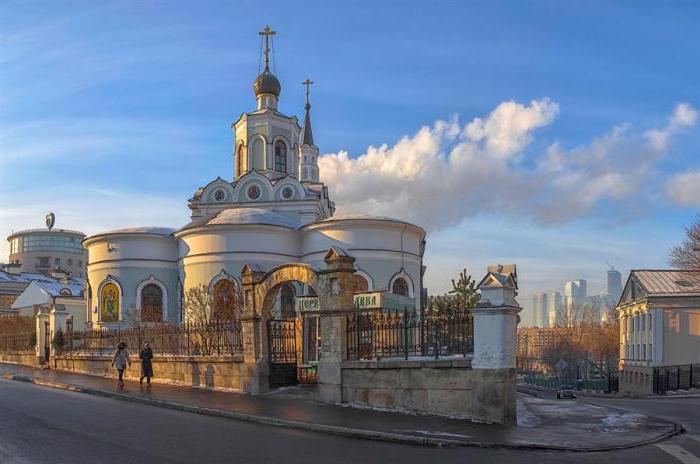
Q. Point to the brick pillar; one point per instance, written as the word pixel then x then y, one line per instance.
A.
pixel 336 299
pixel 255 356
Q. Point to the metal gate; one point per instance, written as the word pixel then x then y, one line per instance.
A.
pixel 47 341
pixel 282 345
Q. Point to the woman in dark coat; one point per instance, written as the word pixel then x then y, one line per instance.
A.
pixel 146 355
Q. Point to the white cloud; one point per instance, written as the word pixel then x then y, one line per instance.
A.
pixel 685 188
pixel 448 172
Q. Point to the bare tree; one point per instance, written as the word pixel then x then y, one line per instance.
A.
pixel 687 254
pixel 198 305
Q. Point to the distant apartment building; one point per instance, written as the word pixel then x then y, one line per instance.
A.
pixel 659 315
pixel 41 250
pixel 533 343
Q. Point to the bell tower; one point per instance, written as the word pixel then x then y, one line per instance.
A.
pixel 307 152
pixel 265 139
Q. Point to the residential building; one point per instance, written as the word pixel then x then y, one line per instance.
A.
pixel 61 289
pixel 533 343
pixel 13 284
pixel 659 328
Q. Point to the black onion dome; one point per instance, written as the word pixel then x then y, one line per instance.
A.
pixel 267 83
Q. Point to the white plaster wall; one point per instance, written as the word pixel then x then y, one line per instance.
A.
pixel 495 339
pixel 130 259
pixel 376 245
pixel 204 254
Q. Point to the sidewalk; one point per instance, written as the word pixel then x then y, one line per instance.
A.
pixel 544 424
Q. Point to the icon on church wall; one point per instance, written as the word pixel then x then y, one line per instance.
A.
pixel 253 192
pixel 110 303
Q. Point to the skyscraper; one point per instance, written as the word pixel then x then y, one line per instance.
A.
pixel 574 295
pixel 614 284
pixel 541 312
pixel 554 308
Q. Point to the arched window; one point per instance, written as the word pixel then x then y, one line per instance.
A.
pixel 306 174
pixel 109 303
pixel 227 301
pixel 287 301
pixel 257 154
pixel 359 284
pixel 239 159
pixel 151 303
pixel 400 287
pixel 280 156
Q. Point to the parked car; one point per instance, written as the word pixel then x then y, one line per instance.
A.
pixel 566 392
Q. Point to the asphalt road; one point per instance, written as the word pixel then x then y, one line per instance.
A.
pixel 43 425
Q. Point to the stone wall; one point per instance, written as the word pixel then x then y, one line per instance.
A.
pixel 442 387
pixel 636 380
pixel 221 373
pixel 29 359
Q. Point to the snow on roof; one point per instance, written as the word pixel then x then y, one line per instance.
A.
pixel 140 230
pixel 669 282
pixel 57 288
pixel 24 277
pixel 251 216
pixel 349 217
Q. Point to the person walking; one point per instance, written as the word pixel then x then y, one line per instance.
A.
pixel 121 361
pixel 146 355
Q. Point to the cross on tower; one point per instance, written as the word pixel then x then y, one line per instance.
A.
pixel 307 83
pixel 267 32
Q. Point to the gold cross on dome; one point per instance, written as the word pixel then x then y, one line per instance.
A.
pixel 267 32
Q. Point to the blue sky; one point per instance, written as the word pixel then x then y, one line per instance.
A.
pixel 585 150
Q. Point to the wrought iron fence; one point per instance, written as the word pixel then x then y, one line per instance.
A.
pixel 17 343
pixel 673 378
pixel 409 334
pixel 187 339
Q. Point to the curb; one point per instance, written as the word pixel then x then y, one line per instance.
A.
pixel 331 429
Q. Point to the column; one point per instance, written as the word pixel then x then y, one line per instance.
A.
pixel 336 303
pixel 42 317
pixel 254 342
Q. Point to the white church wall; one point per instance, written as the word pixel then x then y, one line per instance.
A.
pixel 376 245
pixel 130 259
pixel 205 253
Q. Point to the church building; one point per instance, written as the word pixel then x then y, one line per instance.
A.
pixel 273 210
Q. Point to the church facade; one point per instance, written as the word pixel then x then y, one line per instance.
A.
pixel 274 211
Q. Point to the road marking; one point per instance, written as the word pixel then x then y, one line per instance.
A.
pixel 680 454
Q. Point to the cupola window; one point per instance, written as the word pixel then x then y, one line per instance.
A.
pixel 280 156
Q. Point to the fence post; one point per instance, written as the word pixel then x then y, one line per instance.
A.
pixel 405 332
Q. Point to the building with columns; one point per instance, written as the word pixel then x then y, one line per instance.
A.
pixel 271 211
pixel 659 315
